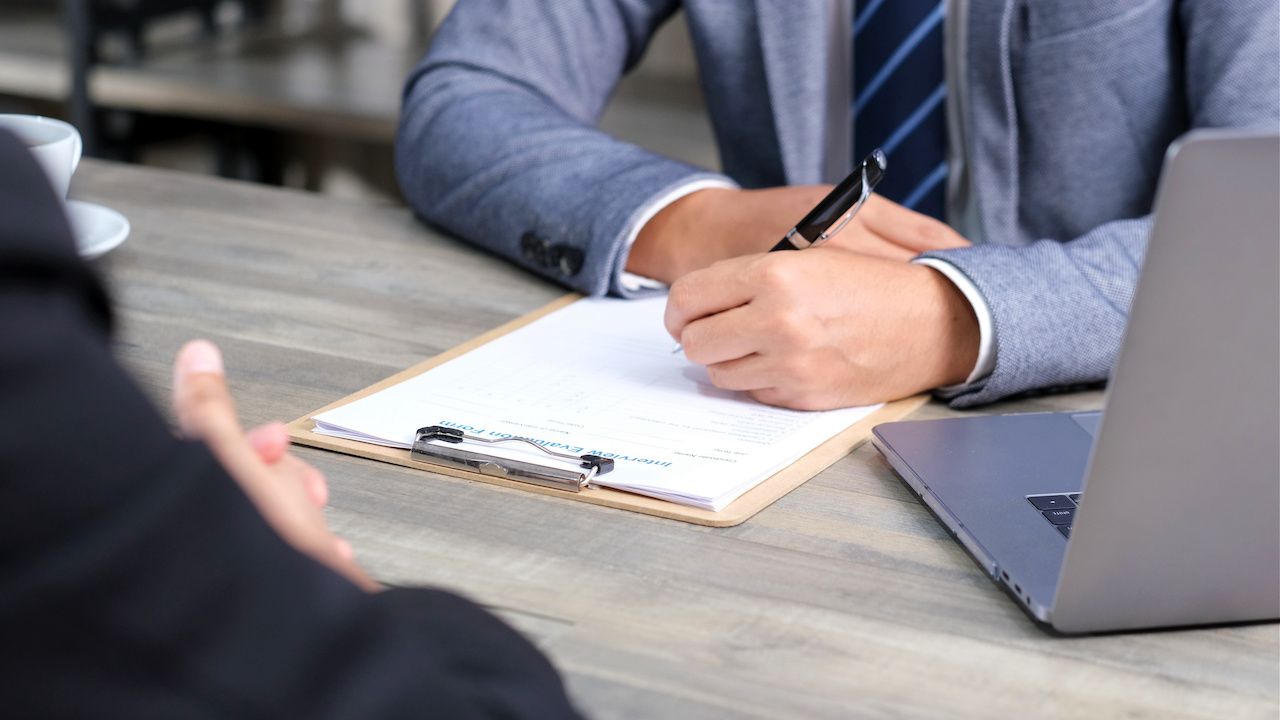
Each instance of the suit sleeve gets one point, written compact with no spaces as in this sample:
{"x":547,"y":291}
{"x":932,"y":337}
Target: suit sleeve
{"x":1074,"y":297}
{"x":498,"y":144}
{"x":136,"y":580}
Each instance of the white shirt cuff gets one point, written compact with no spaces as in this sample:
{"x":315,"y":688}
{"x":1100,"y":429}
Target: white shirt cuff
{"x":987,"y":342}
{"x":632,"y":282}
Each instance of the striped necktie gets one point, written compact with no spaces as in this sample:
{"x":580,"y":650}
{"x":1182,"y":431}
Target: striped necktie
{"x":899,"y":98}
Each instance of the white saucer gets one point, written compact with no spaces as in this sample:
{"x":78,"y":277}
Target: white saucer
{"x":97,"y":229}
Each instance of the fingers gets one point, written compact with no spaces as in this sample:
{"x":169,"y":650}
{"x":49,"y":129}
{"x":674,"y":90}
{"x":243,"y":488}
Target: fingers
{"x":879,"y":247}
{"x":343,"y":548}
{"x":317,"y":486}
{"x":720,"y":337}
{"x":271,"y":441}
{"x":753,"y":372}
{"x":201,"y":401}
{"x":765,"y":321}
{"x":860,"y":239}
{"x":292,"y":469}
{"x":793,"y":375}
{"x":771,"y":382}
{"x":907,"y":228}
{"x":744,"y":352}
{"x":792,"y":400}
{"x":288,"y":492}
{"x":706,"y":292}
{"x":206,"y":412}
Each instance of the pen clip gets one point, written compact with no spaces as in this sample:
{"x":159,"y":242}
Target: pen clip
{"x":848,"y":216}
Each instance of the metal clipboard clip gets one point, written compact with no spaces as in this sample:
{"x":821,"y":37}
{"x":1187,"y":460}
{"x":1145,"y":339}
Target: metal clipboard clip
{"x":439,"y":445}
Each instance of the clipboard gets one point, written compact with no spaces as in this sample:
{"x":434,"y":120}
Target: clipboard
{"x":741,"y":509}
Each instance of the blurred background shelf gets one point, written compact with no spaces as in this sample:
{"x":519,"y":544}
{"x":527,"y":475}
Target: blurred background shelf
{"x":304,"y":93}
{"x":33,"y":52}
{"x":323,"y":82}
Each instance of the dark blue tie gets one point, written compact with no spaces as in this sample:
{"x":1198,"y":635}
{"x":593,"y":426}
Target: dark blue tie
{"x":899,"y":98}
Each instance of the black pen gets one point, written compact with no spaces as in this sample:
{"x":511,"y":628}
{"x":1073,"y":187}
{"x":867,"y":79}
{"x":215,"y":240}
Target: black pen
{"x":836,"y":209}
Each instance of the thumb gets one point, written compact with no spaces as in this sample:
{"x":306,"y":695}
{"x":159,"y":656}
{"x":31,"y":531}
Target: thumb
{"x":201,"y":401}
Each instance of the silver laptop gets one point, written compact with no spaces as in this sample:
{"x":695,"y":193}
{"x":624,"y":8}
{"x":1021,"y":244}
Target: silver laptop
{"x":1165,"y":510}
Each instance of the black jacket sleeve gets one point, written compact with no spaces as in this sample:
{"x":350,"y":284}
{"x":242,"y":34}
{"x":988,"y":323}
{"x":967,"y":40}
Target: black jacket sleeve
{"x":136,"y":579}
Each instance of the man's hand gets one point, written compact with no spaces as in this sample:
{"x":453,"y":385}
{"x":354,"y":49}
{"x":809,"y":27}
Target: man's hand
{"x":707,"y":226}
{"x":824,"y":328}
{"x":885,"y":229}
{"x":288,"y":492}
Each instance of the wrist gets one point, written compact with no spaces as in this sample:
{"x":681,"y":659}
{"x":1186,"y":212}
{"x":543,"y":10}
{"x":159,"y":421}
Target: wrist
{"x":715,"y":224}
{"x":672,"y":242}
{"x":955,"y":331}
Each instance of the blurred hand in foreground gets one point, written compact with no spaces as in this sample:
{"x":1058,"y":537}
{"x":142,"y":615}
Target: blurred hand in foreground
{"x":289,"y":493}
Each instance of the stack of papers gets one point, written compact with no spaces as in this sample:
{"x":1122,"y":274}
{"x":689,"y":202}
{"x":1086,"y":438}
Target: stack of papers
{"x":600,"y":376}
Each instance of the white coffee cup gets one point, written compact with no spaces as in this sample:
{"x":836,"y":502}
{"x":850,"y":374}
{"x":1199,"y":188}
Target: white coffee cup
{"x":56,"y":145}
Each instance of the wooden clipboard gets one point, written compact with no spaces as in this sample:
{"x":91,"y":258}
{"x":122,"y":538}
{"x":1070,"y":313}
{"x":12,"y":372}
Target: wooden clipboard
{"x":750,"y":503}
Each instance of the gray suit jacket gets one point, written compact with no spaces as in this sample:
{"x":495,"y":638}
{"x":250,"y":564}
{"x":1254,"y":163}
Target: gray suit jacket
{"x":1060,"y":112}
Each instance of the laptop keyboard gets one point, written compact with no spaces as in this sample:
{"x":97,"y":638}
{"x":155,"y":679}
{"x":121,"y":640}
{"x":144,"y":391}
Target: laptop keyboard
{"x":1058,"y":509}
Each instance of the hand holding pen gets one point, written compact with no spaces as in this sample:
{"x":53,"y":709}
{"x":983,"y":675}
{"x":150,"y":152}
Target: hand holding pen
{"x":834,"y":212}
{"x":834,"y":328}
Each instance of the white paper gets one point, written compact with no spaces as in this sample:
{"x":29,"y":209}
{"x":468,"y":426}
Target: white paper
{"x":600,"y":376}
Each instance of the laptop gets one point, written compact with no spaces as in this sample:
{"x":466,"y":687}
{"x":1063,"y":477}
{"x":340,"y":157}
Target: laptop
{"x":1164,"y":509}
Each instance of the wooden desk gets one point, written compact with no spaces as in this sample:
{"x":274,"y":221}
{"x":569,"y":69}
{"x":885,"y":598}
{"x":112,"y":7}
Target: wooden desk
{"x":844,"y":599}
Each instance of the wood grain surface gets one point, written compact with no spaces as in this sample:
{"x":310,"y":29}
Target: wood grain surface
{"x":843,"y":599}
